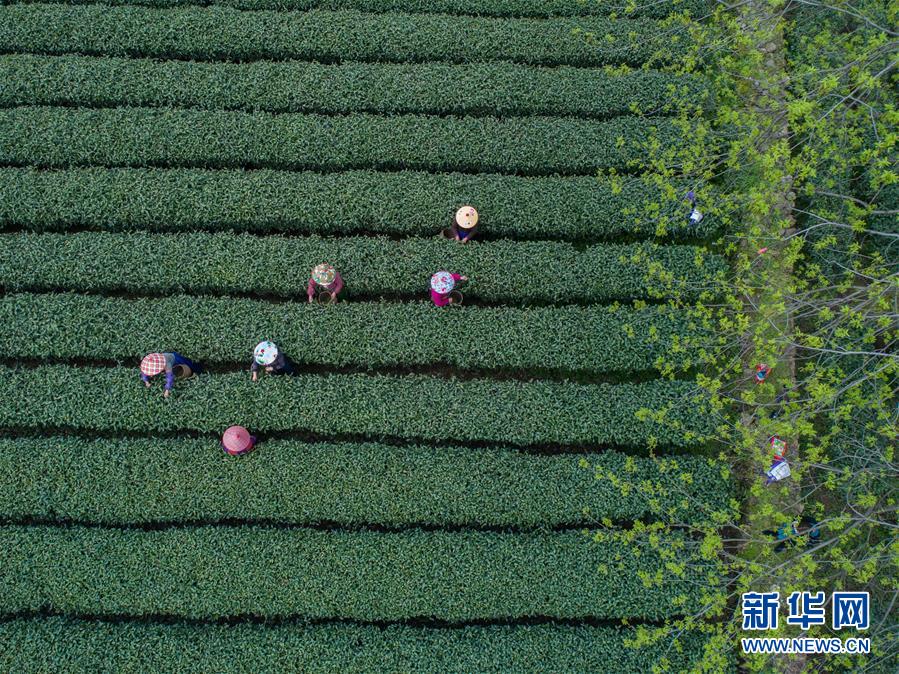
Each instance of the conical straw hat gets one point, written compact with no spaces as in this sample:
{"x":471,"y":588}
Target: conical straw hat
{"x":236,"y":439}
{"x":466,"y":217}
{"x":442,"y":282}
{"x":265,"y":353}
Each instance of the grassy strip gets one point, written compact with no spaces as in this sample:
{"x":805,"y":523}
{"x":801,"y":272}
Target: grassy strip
{"x":182,"y":480}
{"x":213,"y":572}
{"x":221,"y":33}
{"x":433,"y":88}
{"x":87,"y":646}
{"x":224,"y":330}
{"x":499,"y":8}
{"x":62,"y":137}
{"x":222,"y":263}
{"x":403,"y":203}
{"x":413,"y":407}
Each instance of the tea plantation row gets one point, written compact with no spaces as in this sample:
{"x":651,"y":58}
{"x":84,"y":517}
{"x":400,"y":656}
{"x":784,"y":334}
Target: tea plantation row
{"x":494,"y":89}
{"x":42,"y":644}
{"x":412,"y":407}
{"x":221,"y":33}
{"x":509,"y":8}
{"x":499,"y":271}
{"x":218,"y":572}
{"x":585,"y":339}
{"x":135,"y":137}
{"x":136,"y":481}
{"x":402,"y":203}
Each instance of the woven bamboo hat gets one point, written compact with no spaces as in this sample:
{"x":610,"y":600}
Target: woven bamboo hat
{"x":467,"y":217}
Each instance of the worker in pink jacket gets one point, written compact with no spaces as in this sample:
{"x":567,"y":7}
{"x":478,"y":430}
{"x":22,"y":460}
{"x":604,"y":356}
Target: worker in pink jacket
{"x":324,"y":277}
{"x":442,"y":284}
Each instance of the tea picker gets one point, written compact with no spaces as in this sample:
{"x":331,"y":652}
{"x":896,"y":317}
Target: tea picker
{"x":780,"y":400}
{"x":172,"y":363}
{"x":464,"y":224}
{"x":442,"y":284}
{"x":695,"y":215}
{"x":787,"y":534}
{"x":782,"y":534}
{"x":267,"y":356}
{"x":327,"y":281}
{"x":780,"y":468}
{"x":236,"y":440}
{"x":761,"y":372}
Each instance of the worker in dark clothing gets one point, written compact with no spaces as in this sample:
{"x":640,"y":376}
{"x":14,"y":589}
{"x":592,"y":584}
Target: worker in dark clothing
{"x":464,"y":224}
{"x":695,"y":215}
{"x":268,"y":357}
{"x":788,"y":535}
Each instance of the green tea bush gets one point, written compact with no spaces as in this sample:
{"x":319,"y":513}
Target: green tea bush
{"x":63,"y":137}
{"x":139,"y":480}
{"x":499,"y":271}
{"x":222,"y":33}
{"x":216,"y":572}
{"x":292,"y":86}
{"x":402,"y":203}
{"x":90,"y":646}
{"x":413,"y":407}
{"x":225,"y":330}
{"x":502,"y":8}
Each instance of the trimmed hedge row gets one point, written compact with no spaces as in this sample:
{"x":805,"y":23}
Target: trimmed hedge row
{"x":43,"y":644}
{"x":216,"y":572}
{"x":435,"y":88}
{"x":182,"y":480}
{"x":501,"y":8}
{"x":222,"y":33}
{"x":63,"y":137}
{"x":403,"y":203}
{"x":225,"y":330}
{"x":499,"y":271}
{"x":414,"y":407}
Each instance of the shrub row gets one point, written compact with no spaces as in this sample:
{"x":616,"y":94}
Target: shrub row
{"x":403,"y":203}
{"x":435,"y":88}
{"x":414,"y":407}
{"x":40,"y":645}
{"x":500,"y":8}
{"x":62,"y":137}
{"x":136,"y":481}
{"x":222,"y":33}
{"x":225,"y":330}
{"x":216,"y":572}
{"x":499,"y":271}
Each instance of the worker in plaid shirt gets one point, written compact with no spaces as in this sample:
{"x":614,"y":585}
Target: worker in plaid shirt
{"x":157,"y":363}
